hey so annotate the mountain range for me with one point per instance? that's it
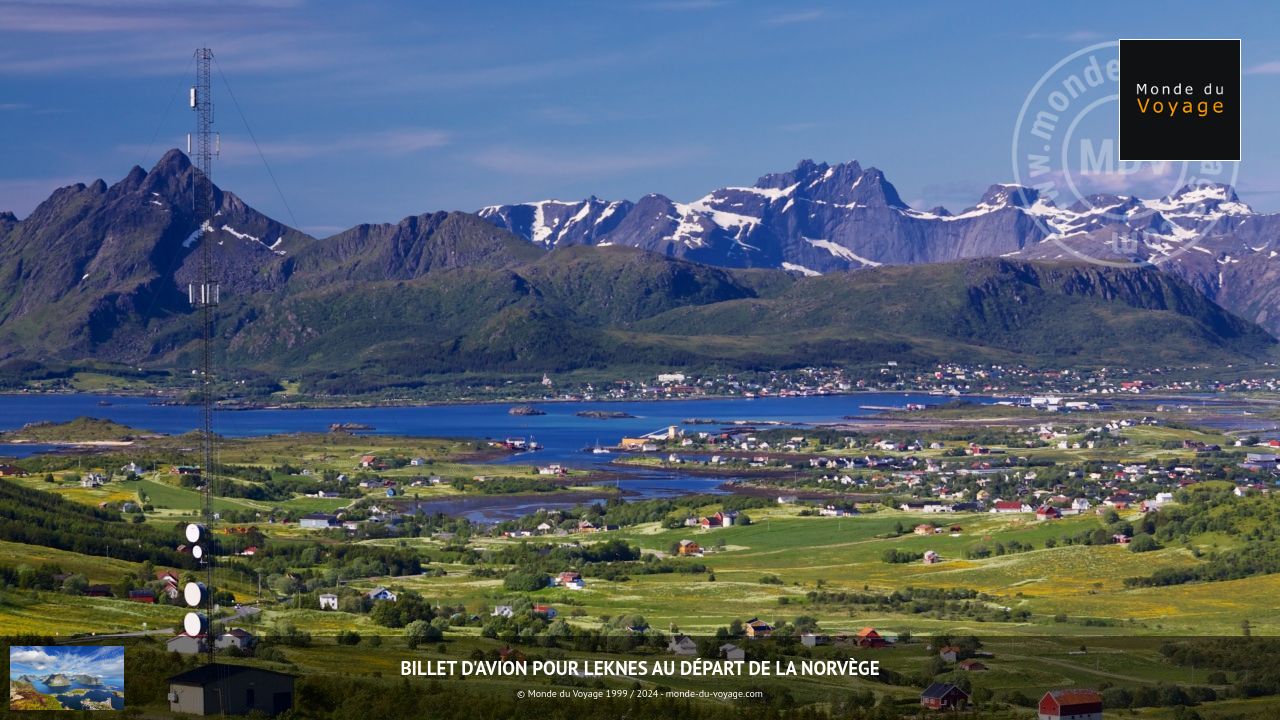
(743, 278)
(820, 218)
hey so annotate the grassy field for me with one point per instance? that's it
(51, 613)
(1050, 616)
(1084, 583)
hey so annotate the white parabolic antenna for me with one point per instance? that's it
(194, 594)
(193, 532)
(194, 624)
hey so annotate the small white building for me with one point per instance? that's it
(185, 644)
(236, 638)
(729, 651)
(328, 601)
(682, 645)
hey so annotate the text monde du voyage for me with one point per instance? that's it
(638, 668)
(1179, 99)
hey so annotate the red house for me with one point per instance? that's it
(869, 638)
(1048, 512)
(1071, 704)
(943, 696)
(142, 596)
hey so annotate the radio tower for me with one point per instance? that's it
(204, 295)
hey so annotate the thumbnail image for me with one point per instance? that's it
(74, 677)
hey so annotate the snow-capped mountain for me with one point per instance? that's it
(815, 218)
(820, 218)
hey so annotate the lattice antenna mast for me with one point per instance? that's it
(202, 148)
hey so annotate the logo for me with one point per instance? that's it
(1091, 204)
(1180, 99)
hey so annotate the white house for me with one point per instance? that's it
(185, 644)
(682, 645)
(329, 601)
(505, 611)
(317, 521)
(235, 638)
(381, 593)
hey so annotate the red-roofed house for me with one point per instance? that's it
(868, 637)
(1048, 512)
(1071, 704)
(1009, 506)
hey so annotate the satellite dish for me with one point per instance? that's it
(197, 552)
(193, 532)
(194, 594)
(194, 624)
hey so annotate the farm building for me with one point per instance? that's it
(757, 628)
(570, 580)
(813, 639)
(943, 696)
(219, 689)
(870, 638)
(1071, 704)
(317, 521)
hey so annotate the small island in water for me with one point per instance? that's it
(604, 414)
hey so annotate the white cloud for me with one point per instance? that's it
(106, 660)
(1070, 36)
(29, 656)
(1266, 68)
(239, 151)
(800, 16)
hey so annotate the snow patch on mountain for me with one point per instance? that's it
(841, 251)
(800, 269)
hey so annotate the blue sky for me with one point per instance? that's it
(369, 112)
(40, 660)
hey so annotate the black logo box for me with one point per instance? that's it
(1183, 63)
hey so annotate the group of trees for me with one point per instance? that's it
(35, 517)
(1253, 522)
